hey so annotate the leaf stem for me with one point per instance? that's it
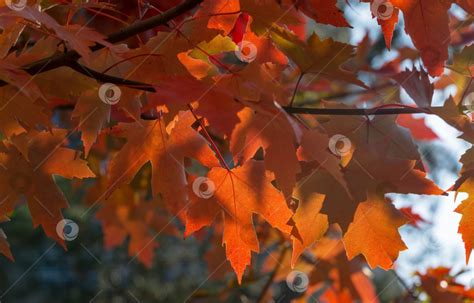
(213, 144)
(300, 77)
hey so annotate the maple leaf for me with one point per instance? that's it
(441, 287)
(309, 222)
(273, 132)
(94, 105)
(91, 114)
(18, 113)
(222, 14)
(417, 127)
(43, 48)
(339, 205)
(165, 149)
(178, 92)
(415, 219)
(427, 23)
(452, 115)
(125, 214)
(10, 34)
(78, 37)
(157, 59)
(463, 61)
(386, 18)
(346, 276)
(239, 193)
(27, 169)
(315, 147)
(322, 58)
(418, 86)
(396, 176)
(382, 132)
(322, 11)
(20, 79)
(207, 51)
(374, 233)
(266, 14)
(466, 209)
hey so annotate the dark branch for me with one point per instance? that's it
(150, 23)
(64, 59)
(109, 79)
(291, 110)
(356, 111)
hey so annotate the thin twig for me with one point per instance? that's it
(405, 286)
(209, 138)
(108, 78)
(300, 77)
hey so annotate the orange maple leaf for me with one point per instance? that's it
(322, 11)
(239, 193)
(374, 233)
(274, 132)
(427, 23)
(27, 168)
(151, 141)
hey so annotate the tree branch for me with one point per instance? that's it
(64, 59)
(109, 79)
(356, 111)
(152, 22)
(289, 109)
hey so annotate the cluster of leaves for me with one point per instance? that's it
(209, 89)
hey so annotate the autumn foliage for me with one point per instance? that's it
(233, 116)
